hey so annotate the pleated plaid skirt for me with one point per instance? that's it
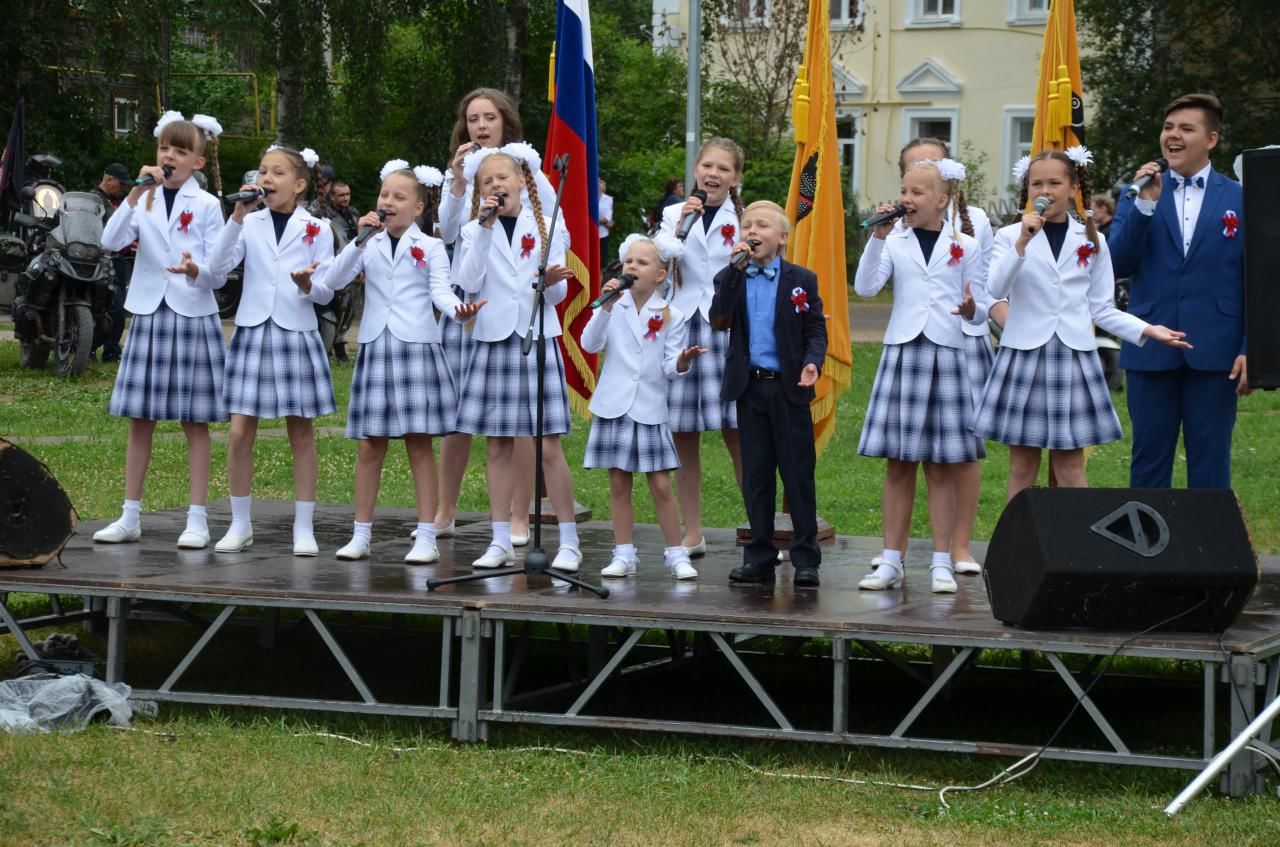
(624, 444)
(400, 388)
(171, 369)
(274, 372)
(500, 387)
(978, 358)
(693, 401)
(1053, 397)
(921, 406)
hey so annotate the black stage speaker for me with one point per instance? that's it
(36, 516)
(1120, 559)
(1261, 225)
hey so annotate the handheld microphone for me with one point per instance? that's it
(625, 281)
(687, 222)
(150, 179)
(884, 217)
(738, 258)
(244, 196)
(1132, 191)
(1041, 204)
(492, 210)
(367, 232)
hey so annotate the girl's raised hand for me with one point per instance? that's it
(370, 219)
(1031, 224)
(1164, 335)
(687, 355)
(691, 204)
(883, 230)
(485, 205)
(557, 273)
(302, 278)
(466, 311)
(967, 308)
(611, 285)
(244, 207)
(186, 266)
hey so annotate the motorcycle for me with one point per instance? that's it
(66, 289)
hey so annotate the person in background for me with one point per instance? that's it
(115, 184)
(343, 212)
(606, 223)
(672, 193)
(1104, 209)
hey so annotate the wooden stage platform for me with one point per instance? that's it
(902, 669)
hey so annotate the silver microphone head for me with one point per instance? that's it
(1041, 204)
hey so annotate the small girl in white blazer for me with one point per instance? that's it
(646, 338)
(277, 366)
(1047, 389)
(172, 366)
(497, 259)
(921, 404)
(402, 387)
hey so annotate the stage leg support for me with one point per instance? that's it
(117, 631)
(1242, 776)
(470, 678)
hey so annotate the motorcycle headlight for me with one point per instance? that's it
(81, 252)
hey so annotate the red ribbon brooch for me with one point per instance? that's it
(184, 220)
(313, 229)
(957, 253)
(419, 256)
(1230, 223)
(1083, 252)
(655, 326)
(526, 245)
(727, 232)
(799, 299)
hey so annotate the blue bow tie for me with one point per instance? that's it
(1182, 181)
(756, 270)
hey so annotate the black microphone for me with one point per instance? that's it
(492, 210)
(738, 258)
(367, 232)
(884, 217)
(625, 281)
(1132, 191)
(150, 179)
(687, 222)
(244, 196)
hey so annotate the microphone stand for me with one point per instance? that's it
(536, 561)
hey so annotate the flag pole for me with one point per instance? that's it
(693, 94)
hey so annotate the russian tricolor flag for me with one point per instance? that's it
(573, 131)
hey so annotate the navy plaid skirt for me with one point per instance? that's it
(629, 446)
(693, 401)
(171, 369)
(978, 358)
(274, 372)
(456, 342)
(500, 385)
(1053, 397)
(921, 407)
(400, 388)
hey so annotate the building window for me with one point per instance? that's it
(931, 123)
(125, 115)
(1019, 127)
(849, 134)
(847, 14)
(1027, 12)
(927, 13)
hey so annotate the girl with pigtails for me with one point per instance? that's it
(1047, 390)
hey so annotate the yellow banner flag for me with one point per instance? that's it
(1059, 93)
(815, 206)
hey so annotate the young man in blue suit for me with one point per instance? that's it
(1182, 243)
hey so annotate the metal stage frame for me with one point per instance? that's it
(489, 636)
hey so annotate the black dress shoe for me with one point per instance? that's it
(752, 572)
(806, 578)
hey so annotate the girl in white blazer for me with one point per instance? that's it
(921, 405)
(645, 337)
(172, 365)
(1047, 389)
(402, 386)
(277, 366)
(497, 260)
(695, 402)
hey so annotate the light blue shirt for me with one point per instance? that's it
(762, 299)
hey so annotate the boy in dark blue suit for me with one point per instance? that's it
(777, 343)
(1182, 243)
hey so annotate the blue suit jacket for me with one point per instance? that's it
(1201, 294)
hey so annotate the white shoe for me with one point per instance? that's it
(946, 583)
(357, 548)
(444, 532)
(871, 582)
(234, 542)
(305, 545)
(193, 539)
(697, 550)
(421, 554)
(117, 533)
(567, 559)
(968, 567)
(876, 561)
(519, 540)
(495, 557)
(682, 568)
(620, 566)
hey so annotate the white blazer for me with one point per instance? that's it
(1048, 296)
(705, 254)
(924, 297)
(399, 291)
(269, 292)
(161, 243)
(487, 266)
(456, 211)
(633, 381)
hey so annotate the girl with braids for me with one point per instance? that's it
(402, 386)
(497, 260)
(921, 406)
(1047, 390)
(277, 366)
(695, 401)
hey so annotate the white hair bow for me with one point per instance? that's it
(311, 157)
(429, 176)
(391, 167)
(166, 119)
(208, 123)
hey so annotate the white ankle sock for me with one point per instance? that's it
(941, 565)
(568, 534)
(131, 514)
(891, 566)
(426, 534)
(362, 531)
(241, 508)
(197, 519)
(303, 513)
(671, 555)
(502, 533)
(625, 551)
